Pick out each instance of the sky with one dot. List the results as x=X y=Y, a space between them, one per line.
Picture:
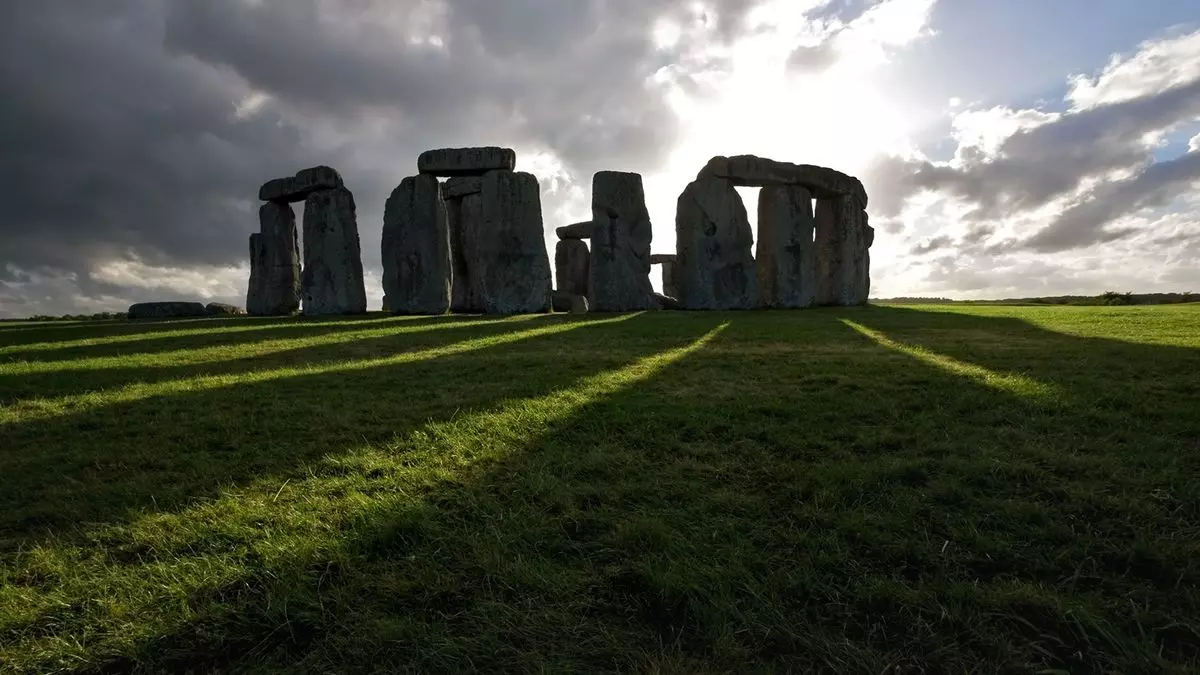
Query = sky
x=1009 y=148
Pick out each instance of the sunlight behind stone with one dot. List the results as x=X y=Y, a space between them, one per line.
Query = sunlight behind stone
x=1019 y=385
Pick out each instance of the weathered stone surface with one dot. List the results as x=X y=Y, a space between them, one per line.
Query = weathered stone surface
x=786 y=275
x=510 y=260
x=416 y=248
x=572 y=262
x=574 y=303
x=575 y=230
x=274 y=263
x=670 y=278
x=332 y=282
x=661 y=258
x=457 y=188
x=619 y=278
x=713 y=240
x=842 y=260
x=297 y=188
x=749 y=170
x=222 y=309
x=466 y=161
x=666 y=302
x=165 y=310
x=465 y=217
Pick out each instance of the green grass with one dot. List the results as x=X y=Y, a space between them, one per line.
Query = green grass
x=878 y=490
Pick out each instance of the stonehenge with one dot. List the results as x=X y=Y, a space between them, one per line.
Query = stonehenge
x=465 y=234
x=331 y=280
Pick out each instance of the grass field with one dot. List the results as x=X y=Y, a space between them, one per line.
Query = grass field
x=876 y=490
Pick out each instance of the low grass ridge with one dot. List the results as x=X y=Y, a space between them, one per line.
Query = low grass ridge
x=881 y=489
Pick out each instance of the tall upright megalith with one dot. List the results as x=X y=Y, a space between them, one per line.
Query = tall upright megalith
x=274 y=288
x=572 y=265
x=510 y=259
x=619 y=275
x=416 y=248
x=842 y=259
x=784 y=256
x=332 y=282
x=713 y=239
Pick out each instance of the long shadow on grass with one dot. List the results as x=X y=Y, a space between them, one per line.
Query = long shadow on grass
x=377 y=340
x=161 y=451
x=792 y=494
x=133 y=338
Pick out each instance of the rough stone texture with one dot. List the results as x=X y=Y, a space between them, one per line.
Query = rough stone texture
x=466 y=161
x=465 y=217
x=457 y=188
x=786 y=276
x=670 y=278
x=572 y=260
x=165 y=310
x=274 y=263
x=666 y=302
x=332 y=282
x=842 y=260
x=619 y=278
x=297 y=188
x=749 y=170
x=661 y=258
x=222 y=309
x=575 y=230
x=713 y=240
x=416 y=248
x=510 y=259
x=569 y=302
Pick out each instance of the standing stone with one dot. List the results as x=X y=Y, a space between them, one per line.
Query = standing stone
x=670 y=278
x=274 y=263
x=619 y=278
x=563 y=301
x=511 y=259
x=466 y=161
x=333 y=273
x=786 y=276
x=713 y=239
x=416 y=248
x=465 y=217
x=571 y=266
x=842 y=262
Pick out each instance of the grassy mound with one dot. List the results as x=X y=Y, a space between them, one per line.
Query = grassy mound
x=885 y=489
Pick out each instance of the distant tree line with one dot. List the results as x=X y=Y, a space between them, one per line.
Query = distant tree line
x=1108 y=298
x=99 y=316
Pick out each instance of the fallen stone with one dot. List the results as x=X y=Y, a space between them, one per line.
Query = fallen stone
x=749 y=170
x=274 y=263
x=786 y=276
x=166 y=310
x=466 y=161
x=457 y=188
x=416 y=248
x=572 y=262
x=666 y=302
x=662 y=258
x=332 y=282
x=842 y=261
x=575 y=231
x=619 y=278
x=465 y=217
x=297 y=188
x=715 y=269
x=574 y=303
x=222 y=309
x=510 y=260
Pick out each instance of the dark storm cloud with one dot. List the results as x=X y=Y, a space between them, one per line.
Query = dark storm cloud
x=121 y=138
x=1035 y=166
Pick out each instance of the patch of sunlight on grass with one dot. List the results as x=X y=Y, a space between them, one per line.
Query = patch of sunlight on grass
x=1020 y=385
x=37 y=409
x=222 y=352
